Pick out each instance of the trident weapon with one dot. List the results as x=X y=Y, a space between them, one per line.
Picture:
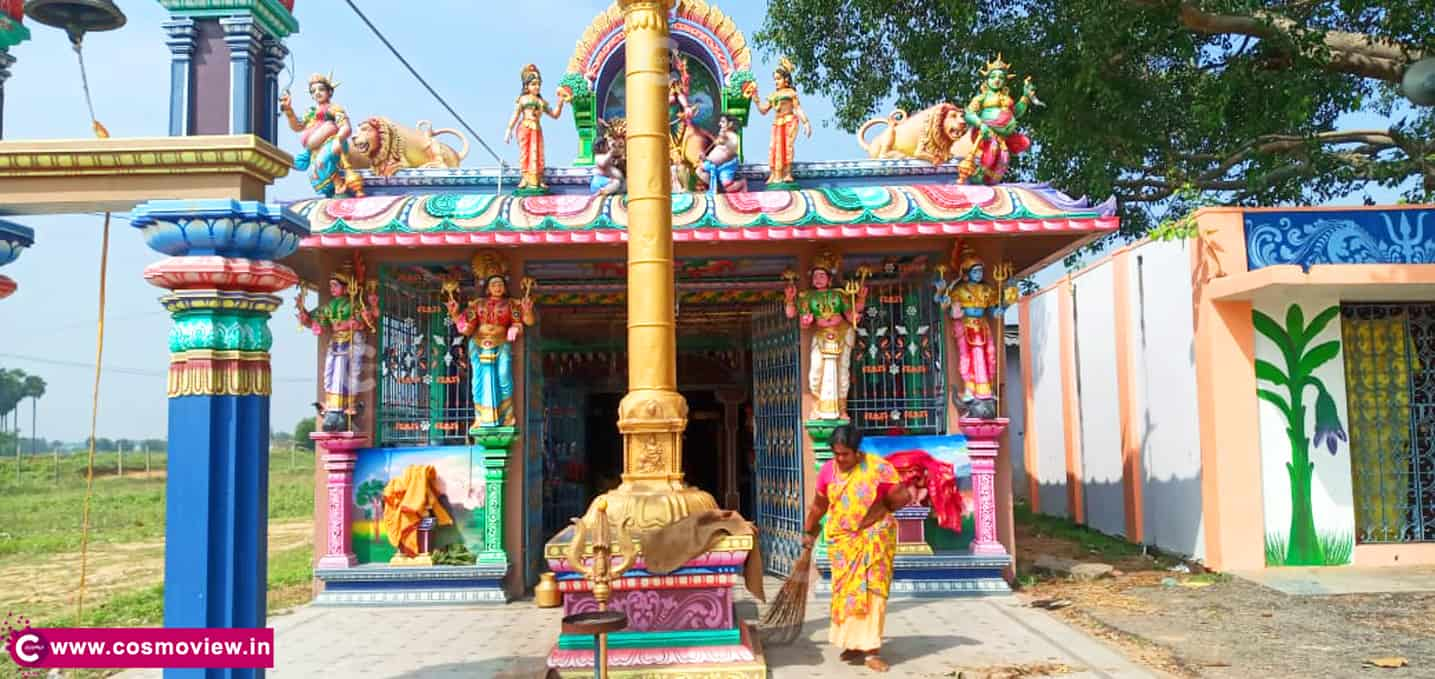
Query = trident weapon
x=601 y=574
x=853 y=288
x=1001 y=273
x=528 y=284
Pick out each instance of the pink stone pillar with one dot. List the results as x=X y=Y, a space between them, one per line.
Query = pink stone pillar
x=982 y=447
x=339 y=451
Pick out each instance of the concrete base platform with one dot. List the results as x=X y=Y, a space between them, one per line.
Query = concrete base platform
x=935 y=576
x=384 y=585
x=1343 y=580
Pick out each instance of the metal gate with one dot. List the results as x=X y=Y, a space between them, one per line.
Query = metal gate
x=777 y=414
x=1390 y=392
x=534 y=440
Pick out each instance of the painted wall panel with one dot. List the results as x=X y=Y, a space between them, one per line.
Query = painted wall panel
x=1100 y=428
x=1015 y=402
x=1169 y=422
x=1306 y=483
x=1047 y=399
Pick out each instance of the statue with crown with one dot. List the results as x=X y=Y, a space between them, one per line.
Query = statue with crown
x=991 y=119
x=975 y=302
x=491 y=321
x=324 y=131
x=353 y=307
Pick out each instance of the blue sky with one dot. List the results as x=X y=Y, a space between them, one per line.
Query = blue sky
x=472 y=57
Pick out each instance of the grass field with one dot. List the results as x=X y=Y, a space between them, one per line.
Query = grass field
x=40 y=539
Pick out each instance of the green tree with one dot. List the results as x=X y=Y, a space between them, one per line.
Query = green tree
x=33 y=388
x=1237 y=99
x=302 y=430
x=370 y=496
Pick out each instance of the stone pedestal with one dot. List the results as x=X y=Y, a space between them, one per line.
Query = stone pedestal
x=494 y=444
x=339 y=452
x=679 y=624
x=982 y=446
x=222 y=277
x=912 y=530
x=820 y=431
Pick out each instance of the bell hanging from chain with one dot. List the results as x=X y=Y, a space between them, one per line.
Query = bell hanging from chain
x=76 y=17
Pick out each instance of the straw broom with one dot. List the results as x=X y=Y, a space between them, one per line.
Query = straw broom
x=782 y=622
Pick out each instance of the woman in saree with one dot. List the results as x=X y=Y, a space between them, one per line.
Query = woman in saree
x=857 y=492
x=788 y=115
x=527 y=120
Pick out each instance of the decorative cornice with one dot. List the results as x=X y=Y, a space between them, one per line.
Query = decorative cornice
x=220 y=273
x=192 y=300
x=244 y=154
x=228 y=228
x=271 y=15
x=219 y=373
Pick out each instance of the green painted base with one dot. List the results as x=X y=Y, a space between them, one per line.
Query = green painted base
x=676 y=638
x=781 y=186
x=494 y=558
x=531 y=191
x=493 y=438
x=821 y=431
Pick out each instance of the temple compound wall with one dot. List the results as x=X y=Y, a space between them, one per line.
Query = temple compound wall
x=1250 y=396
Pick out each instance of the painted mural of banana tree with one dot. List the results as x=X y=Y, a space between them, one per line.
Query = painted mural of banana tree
x=1303 y=545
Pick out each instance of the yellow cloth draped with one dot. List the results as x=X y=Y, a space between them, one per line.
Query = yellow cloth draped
x=1378 y=365
x=408 y=498
x=861 y=557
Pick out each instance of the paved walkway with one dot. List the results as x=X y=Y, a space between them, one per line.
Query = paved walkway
x=1301 y=581
x=926 y=638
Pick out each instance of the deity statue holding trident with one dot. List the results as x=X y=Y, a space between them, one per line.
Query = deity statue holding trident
x=974 y=302
x=353 y=307
x=830 y=376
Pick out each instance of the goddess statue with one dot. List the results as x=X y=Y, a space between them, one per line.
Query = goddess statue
x=992 y=116
x=527 y=120
x=973 y=302
x=324 y=132
x=491 y=324
x=784 y=123
x=346 y=315
x=829 y=376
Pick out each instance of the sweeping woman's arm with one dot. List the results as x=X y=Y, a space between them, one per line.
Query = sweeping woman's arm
x=897 y=498
x=814 y=518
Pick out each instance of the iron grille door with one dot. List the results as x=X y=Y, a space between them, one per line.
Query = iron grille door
x=777 y=414
x=424 y=394
x=534 y=435
x=897 y=379
x=1390 y=392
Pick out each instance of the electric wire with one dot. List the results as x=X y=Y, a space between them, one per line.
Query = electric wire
x=502 y=165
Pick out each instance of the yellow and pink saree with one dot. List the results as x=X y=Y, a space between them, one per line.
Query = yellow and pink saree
x=861 y=556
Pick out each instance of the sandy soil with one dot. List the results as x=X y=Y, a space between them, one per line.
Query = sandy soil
x=1227 y=628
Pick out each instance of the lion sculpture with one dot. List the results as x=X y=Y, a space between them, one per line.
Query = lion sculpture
x=388 y=147
x=931 y=135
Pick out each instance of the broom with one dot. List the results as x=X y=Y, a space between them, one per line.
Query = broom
x=782 y=623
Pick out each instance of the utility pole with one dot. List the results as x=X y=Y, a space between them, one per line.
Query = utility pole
x=120 y=451
x=146 y=458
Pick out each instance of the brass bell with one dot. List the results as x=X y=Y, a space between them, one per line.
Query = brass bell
x=76 y=17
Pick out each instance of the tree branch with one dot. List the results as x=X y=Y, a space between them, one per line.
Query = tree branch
x=1343 y=51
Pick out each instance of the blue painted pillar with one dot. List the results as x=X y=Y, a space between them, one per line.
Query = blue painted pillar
x=180 y=34
x=274 y=53
x=222 y=277
x=242 y=36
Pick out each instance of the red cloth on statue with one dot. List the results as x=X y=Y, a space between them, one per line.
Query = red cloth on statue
x=941 y=480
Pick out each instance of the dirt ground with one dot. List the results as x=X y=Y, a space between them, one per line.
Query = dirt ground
x=1220 y=627
x=40 y=585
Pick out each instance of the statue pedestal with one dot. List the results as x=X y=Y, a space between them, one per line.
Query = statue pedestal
x=982 y=447
x=679 y=624
x=912 y=529
x=493 y=444
x=820 y=431
x=339 y=452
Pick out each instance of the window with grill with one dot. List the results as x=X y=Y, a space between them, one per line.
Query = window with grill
x=424 y=375
x=897 y=382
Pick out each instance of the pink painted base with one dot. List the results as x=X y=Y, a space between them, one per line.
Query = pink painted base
x=339 y=451
x=983 y=444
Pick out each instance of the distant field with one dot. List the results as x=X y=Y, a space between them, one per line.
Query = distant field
x=40 y=538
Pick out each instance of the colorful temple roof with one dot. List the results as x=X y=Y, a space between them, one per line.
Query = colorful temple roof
x=826 y=212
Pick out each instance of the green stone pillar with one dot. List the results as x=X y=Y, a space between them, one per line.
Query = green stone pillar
x=820 y=431
x=494 y=444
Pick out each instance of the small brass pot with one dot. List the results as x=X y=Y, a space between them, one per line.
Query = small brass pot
x=546 y=594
